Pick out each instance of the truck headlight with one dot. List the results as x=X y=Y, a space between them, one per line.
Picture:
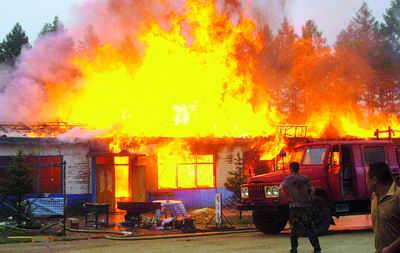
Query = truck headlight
x=244 y=192
x=271 y=191
x=268 y=192
x=275 y=191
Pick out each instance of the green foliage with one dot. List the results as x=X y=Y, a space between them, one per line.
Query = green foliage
x=236 y=179
x=361 y=35
x=389 y=61
x=19 y=178
x=12 y=45
x=363 y=39
x=391 y=26
x=54 y=27
x=17 y=184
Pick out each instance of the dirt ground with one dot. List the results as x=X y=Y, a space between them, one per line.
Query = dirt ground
x=337 y=241
x=351 y=234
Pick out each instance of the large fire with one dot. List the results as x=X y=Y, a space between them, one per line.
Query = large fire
x=185 y=83
x=191 y=72
x=184 y=69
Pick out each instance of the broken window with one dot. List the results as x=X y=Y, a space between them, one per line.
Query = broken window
x=195 y=171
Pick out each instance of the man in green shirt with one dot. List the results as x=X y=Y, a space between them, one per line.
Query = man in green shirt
x=385 y=208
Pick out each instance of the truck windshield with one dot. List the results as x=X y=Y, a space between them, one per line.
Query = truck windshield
x=297 y=155
x=314 y=156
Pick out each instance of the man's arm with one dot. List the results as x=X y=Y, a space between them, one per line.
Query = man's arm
x=283 y=191
x=393 y=247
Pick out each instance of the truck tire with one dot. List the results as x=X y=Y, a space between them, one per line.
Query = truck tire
x=270 y=222
x=321 y=215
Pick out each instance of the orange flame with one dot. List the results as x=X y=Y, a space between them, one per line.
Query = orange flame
x=122 y=184
x=179 y=168
x=185 y=84
x=193 y=74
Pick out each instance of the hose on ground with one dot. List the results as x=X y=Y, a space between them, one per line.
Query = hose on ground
x=41 y=229
x=49 y=225
x=124 y=233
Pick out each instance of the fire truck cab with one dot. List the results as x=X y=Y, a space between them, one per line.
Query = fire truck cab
x=337 y=170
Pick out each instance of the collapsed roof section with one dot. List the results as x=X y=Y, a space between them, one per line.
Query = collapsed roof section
x=46 y=129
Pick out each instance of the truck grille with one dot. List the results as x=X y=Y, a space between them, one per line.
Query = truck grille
x=256 y=191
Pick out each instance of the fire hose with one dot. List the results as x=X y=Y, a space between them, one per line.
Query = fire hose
x=43 y=228
x=49 y=225
x=124 y=233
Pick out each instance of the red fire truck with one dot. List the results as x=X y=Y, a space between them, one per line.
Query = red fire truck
x=337 y=170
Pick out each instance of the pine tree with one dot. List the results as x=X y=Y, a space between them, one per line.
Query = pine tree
x=283 y=44
x=310 y=71
x=12 y=45
x=54 y=27
x=361 y=39
x=236 y=179
x=18 y=183
x=310 y=32
x=389 y=93
x=391 y=26
x=284 y=52
x=91 y=41
x=264 y=73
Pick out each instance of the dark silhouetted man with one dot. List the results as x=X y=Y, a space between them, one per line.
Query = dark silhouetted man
x=298 y=190
x=385 y=208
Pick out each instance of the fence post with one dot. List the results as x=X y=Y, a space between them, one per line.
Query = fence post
x=65 y=195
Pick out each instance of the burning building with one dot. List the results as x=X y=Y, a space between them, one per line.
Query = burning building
x=191 y=170
x=167 y=93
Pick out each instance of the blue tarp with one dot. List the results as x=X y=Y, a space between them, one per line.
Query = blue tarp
x=46 y=207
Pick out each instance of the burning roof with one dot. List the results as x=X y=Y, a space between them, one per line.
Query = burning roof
x=182 y=69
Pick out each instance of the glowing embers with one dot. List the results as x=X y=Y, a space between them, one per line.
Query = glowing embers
x=185 y=171
x=122 y=180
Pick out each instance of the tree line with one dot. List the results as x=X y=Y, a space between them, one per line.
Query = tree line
x=302 y=75
x=11 y=46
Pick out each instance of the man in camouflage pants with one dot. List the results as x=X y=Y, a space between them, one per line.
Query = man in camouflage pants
x=298 y=189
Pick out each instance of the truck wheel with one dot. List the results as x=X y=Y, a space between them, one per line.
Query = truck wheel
x=270 y=222
x=321 y=216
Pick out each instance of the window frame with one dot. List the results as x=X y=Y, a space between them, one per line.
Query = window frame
x=373 y=146
x=195 y=163
x=314 y=147
x=302 y=154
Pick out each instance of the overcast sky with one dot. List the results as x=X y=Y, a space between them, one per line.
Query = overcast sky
x=330 y=15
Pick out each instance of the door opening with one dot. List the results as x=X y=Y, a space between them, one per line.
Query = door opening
x=113 y=180
x=346 y=171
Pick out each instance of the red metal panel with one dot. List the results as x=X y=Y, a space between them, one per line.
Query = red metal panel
x=49 y=174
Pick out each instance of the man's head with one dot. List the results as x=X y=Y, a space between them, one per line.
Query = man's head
x=294 y=167
x=379 y=174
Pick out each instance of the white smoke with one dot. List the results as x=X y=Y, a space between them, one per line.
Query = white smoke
x=271 y=12
x=24 y=88
x=23 y=91
x=79 y=135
